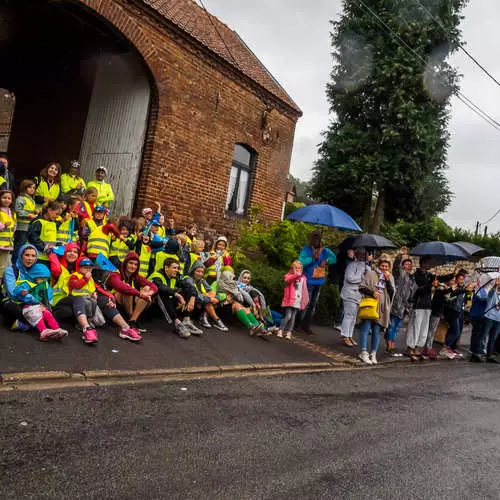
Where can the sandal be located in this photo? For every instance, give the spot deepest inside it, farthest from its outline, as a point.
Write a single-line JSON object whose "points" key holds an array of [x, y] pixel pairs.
{"points": [[413, 354], [347, 341]]}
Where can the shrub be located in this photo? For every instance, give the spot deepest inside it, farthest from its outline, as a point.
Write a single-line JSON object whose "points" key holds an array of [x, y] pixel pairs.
{"points": [[328, 306]]}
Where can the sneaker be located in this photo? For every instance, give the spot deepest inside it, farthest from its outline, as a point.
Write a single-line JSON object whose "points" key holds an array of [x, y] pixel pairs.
{"points": [[90, 336], [192, 327], [221, 326], [475, 358], [279, 334], [204, 321], [288, 336], [130, 334], [373, 358], [134, 325], [183, 331], [256, 330], [49, 334], [365, 357], [458, 354], [446, 353], [62, 333], [20, 326]]}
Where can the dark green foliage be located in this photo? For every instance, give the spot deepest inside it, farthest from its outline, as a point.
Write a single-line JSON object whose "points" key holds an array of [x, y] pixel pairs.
{"points": [[388, 139]]}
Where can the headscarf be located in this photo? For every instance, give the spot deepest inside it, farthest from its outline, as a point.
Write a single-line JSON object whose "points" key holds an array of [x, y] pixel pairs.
{"points": [[24, 273], [227, 284], [251, 289]]}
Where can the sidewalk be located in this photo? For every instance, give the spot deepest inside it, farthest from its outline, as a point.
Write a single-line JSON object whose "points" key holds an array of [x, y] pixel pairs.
{"points": [[20, 352]]}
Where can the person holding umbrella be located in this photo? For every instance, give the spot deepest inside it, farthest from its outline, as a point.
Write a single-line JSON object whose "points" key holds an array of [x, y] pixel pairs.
{"points": [[315, 260]]}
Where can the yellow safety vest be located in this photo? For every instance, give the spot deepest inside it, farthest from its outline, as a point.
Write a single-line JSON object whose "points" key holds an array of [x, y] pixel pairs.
{"points": [[87, 290], [69, 183], [119, 249], [163, 279], [144, 260], [200, 287], [105, 193], [60, 290], [211, 271], [64, 233], [193, 257], [161, 257], [98, 241], [162, 232], [7, 234], [48, 235], [30, 207], [43, 190]]}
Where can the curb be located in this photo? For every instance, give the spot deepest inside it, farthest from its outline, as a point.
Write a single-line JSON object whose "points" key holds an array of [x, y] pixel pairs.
{"points": [[18, 380]]}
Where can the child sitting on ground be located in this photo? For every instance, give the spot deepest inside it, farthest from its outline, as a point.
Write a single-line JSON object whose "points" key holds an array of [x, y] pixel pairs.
{"points": [[295, 298], [37, 299]]}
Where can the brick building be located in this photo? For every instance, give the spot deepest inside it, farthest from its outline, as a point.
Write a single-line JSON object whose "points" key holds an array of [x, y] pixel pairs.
{"points": [[165, 95]]}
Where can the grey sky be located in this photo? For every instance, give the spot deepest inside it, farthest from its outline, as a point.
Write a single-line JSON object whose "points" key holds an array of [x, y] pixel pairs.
{"points": [[291, 37]]}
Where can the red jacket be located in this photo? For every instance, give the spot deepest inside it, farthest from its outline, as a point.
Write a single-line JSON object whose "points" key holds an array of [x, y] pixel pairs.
{"points": [[289, 297]]}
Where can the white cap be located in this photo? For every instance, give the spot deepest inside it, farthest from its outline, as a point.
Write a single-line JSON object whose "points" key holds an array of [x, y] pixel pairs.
{"points": [[100, 167]]}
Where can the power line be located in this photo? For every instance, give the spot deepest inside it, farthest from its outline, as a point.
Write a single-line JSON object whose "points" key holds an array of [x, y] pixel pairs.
{"points": [[219, 33], [490, 120], [491, 218], [460, 45]]}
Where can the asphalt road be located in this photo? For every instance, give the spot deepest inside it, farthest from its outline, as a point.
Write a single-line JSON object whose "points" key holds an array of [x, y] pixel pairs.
{"points": [[402, 432]]}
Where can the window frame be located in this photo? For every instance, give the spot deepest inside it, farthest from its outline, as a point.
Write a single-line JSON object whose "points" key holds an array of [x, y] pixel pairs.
{"points": [[250, 169]]}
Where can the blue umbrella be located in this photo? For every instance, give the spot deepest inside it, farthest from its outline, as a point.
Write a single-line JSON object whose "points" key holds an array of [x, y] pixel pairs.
{"points": [[468, 248], [439, 249], [325, 215]]}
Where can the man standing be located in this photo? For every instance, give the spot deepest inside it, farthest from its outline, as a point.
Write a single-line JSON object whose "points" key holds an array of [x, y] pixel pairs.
{"points": [[105, 193], [71, 181], [6, 177], [315, 259]]}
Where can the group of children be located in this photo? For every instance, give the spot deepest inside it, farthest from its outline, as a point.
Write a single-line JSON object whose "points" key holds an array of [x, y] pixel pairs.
{"points": [[59, 237]]}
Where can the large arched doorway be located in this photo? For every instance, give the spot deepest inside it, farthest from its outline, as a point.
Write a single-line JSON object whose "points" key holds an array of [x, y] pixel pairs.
{"points": [[81, 91]]}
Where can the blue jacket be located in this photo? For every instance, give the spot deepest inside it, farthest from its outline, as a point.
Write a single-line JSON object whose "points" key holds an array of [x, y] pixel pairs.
{"points": [[306, 258], [491, 306], [10, 278]]}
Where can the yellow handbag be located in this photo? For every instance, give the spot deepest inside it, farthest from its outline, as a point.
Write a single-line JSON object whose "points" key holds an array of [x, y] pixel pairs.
{"points": [[368, 308]]}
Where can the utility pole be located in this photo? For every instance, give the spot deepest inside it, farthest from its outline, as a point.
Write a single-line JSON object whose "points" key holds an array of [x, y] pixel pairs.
{"points": [[485, 231], [477, 229]]}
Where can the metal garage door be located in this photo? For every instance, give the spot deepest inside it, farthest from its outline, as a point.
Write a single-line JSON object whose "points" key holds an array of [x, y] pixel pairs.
{"points": [[116, 127]]}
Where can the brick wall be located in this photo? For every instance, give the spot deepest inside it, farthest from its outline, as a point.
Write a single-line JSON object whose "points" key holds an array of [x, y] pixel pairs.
{"points": [[201, 108]]}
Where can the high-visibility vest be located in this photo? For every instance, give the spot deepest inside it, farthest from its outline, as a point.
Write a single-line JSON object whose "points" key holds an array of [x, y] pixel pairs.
{"points": [[69, 183], [3, 180], [87, 290], [43, 190], [162, 232], [144, 260], [7, 234], [118, 249], [211, 271], [60, 290], [193, 257], [161, 257], [171, 281], [48, 235], [29, 207], [200, 287], [105, 193], [67, 231], [98, 241]]}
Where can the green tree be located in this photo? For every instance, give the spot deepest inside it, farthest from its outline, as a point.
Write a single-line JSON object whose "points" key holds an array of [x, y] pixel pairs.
{"points": [[384, 153], [303, 189]]}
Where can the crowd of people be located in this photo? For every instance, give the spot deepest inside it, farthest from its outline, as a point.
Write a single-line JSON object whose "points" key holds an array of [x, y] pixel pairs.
{"points": [[65, 257], [382, 300]]}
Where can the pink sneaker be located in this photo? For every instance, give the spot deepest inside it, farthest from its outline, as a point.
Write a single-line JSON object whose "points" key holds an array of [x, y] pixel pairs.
{"points": [[130, 334], [49, 334], [90, 336]]}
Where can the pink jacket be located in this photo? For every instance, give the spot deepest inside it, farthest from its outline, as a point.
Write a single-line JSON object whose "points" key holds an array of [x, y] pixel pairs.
{"points": [[289, 297]]}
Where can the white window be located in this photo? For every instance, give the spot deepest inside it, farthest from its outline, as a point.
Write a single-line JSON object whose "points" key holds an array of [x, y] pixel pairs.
{"points": [[240, 180]]}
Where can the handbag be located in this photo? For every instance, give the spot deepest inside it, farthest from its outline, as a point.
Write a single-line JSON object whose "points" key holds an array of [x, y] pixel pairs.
{"points": [[368, 308]]}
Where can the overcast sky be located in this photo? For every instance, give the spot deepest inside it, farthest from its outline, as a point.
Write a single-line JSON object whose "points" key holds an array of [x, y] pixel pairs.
{"points": [[291, 37]]}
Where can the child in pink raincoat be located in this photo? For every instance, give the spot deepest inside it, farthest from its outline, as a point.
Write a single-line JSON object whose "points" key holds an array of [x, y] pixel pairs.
{"points": [[295, 298]]}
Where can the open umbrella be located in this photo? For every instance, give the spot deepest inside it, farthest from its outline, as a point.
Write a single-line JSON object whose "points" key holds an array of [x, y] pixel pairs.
{"points": [[325, 215], [468, 248], [372, 241], [489, 264], [439, 249]]}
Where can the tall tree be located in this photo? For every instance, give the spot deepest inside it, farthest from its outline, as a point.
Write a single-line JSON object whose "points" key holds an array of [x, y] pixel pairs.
{"points": [[384, 153]]}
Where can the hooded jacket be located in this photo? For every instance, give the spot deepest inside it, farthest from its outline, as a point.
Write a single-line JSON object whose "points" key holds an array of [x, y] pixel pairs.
{"points": [[13, 272], [228, 285], [250, 289], [131, 285], [200, 284]]}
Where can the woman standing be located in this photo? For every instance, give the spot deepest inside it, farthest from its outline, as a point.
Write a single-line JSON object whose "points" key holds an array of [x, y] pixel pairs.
{"points": [[49, 184], [377, 284]]}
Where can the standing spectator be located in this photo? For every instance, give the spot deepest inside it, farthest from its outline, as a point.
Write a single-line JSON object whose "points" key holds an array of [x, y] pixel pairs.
{"points": [[7, 228], [49, 184], [26, 211], [418, 325], [105, 192], [295, 298], [72, 181], [401, 305], [315, 259], [6, 176], [378, 284], [351, 296]]}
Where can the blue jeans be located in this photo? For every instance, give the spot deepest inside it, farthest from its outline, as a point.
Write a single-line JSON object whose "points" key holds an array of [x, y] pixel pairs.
{"points": [[455, 327], [393, 330], [366, 326], [489, 331]]}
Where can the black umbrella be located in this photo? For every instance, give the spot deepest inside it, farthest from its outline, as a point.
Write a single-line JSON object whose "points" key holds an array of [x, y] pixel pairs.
{"points": [[439, 249], [469, 248], [372, 241]]}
